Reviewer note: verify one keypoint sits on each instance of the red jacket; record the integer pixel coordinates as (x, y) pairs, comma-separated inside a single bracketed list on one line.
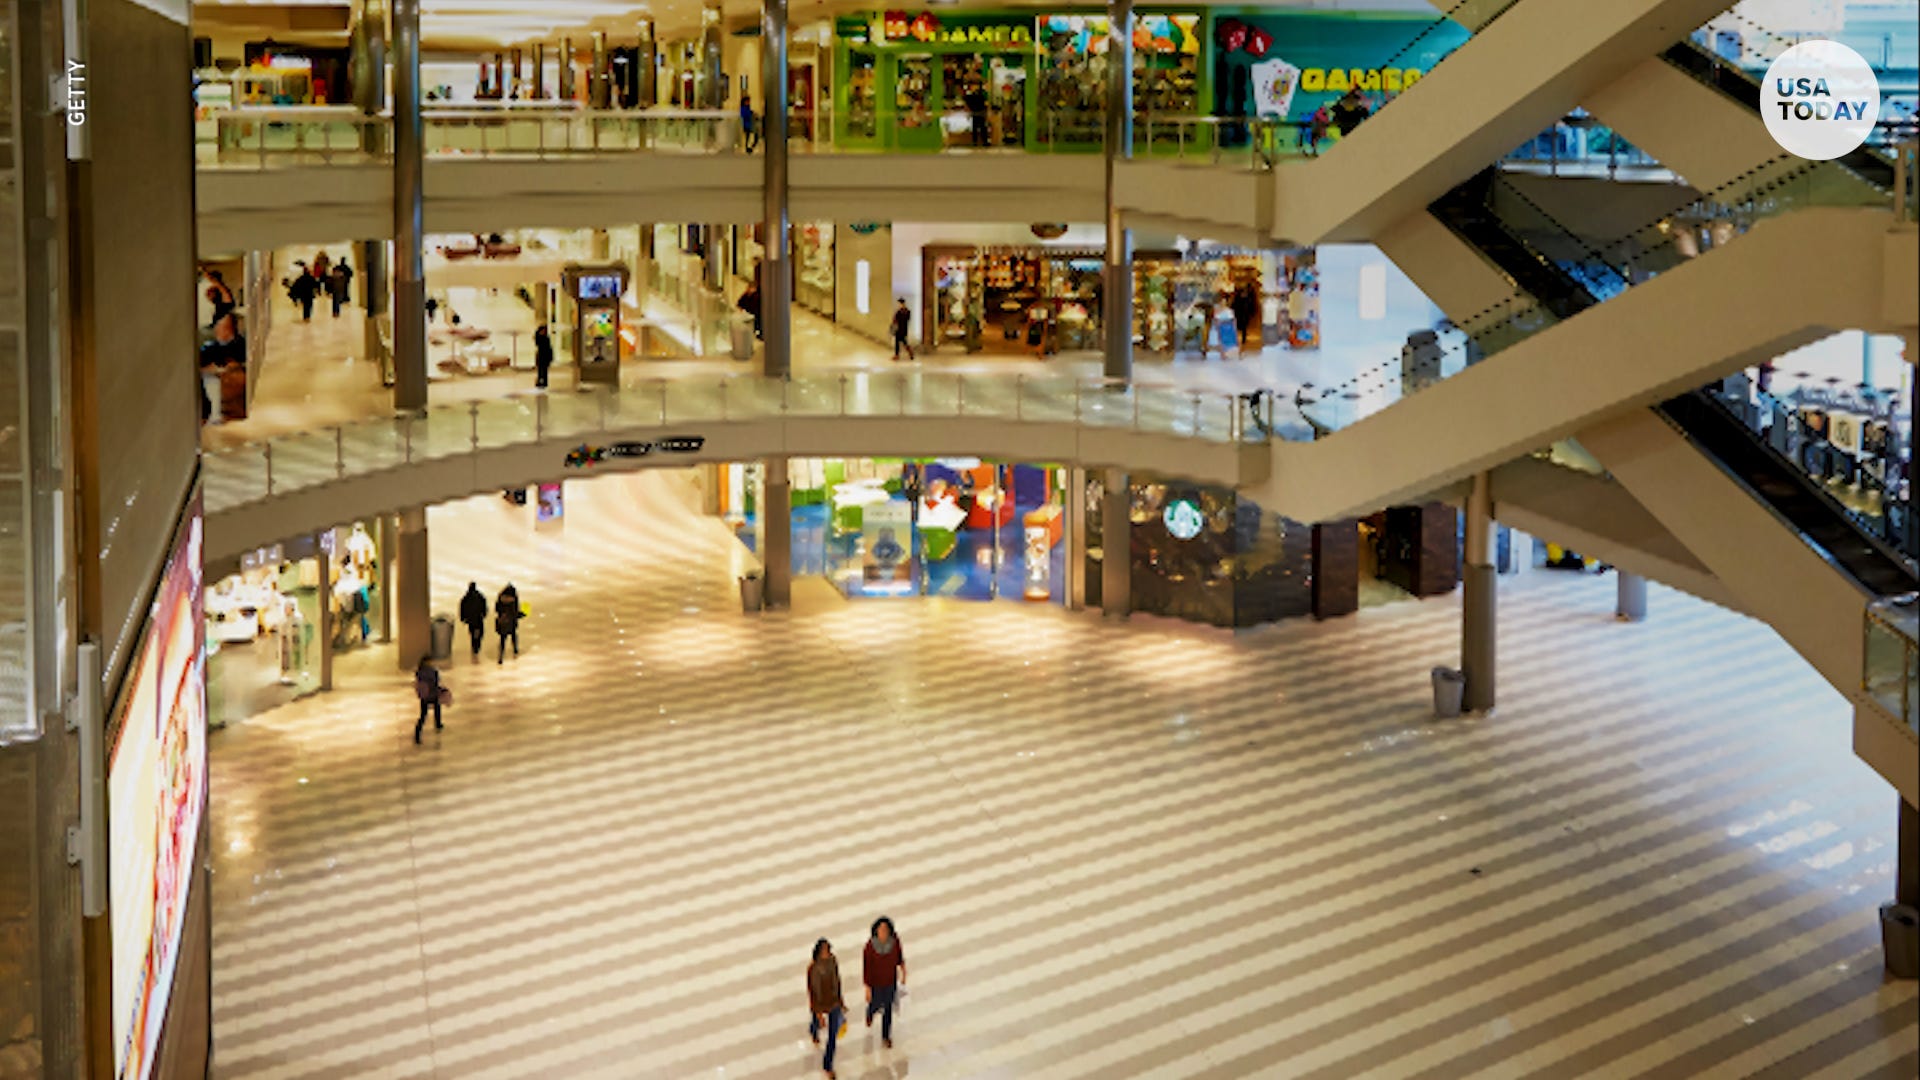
[(883, 971)]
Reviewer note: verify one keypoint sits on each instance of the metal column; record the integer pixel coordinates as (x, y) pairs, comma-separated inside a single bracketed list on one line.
[(1477, 602), (776, 268), (1632, 598), (1117, 295), (566, 69), (1116, 545), (713, 76), (1075, 511), (409, 276), (539, 71), (412, 589), (776, 532), (385, 527)]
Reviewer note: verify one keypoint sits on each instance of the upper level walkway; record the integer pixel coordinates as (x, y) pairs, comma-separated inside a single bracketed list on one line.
[(269, 179)]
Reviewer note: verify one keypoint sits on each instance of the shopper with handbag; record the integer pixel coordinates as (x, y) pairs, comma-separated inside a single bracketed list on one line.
[(884, 970), (427, 687), (824, 1002), (506, 620)]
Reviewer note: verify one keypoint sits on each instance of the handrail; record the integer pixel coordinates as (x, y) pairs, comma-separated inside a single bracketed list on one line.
[(248, 473)]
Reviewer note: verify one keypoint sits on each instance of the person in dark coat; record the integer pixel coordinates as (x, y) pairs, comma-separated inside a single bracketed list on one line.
[(340, 285), (506, 621), (542, 354), (473, 612), (749, 302), (302, 290), (824, 1003), (884, 970), (426, 686)]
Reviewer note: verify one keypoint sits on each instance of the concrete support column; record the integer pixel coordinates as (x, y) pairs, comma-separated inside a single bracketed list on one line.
[(713, 72), (1075, 512), (1906, 876), (1116, 545), (412, 589), (383, 549), (1899, 944), (646, 58), (374, 298), (776, 533), (1117, 294), (409, 275), (597, 81), (325, 629), (1631, 605), (566, 69), (1477, 603), (776, 276)]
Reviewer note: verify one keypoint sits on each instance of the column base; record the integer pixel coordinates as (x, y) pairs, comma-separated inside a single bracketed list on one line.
[(1900, 940)]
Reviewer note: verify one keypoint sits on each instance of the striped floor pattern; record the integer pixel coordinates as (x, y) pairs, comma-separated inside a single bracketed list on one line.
[(1139, 850)]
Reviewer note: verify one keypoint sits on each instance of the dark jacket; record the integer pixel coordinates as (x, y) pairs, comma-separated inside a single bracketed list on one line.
[(339, 280), (543, 350), (506, 611), (823, 985), (881, 970), (473, 607), (303, 287), (426, 682)]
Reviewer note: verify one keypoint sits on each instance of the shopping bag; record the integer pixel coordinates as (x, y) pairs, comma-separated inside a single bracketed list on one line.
[(843, 1025), (899, 997), (446, 695)]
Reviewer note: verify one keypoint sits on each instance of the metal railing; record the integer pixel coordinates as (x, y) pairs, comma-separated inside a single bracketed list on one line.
[(282, 464), (1892, 658)]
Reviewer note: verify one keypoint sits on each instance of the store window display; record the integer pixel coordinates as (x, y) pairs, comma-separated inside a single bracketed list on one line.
[(262, 635), (1167, 77), (981, 297), (1209, 301), (355, 588), (814, 277)]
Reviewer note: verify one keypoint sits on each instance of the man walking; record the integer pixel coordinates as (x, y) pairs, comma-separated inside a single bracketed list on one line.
[(473, 612), (506, 621), (902, 322)]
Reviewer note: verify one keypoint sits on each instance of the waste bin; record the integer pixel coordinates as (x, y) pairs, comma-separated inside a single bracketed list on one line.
[(743, 337), (1900, 938), (1449, 685), (750, 593), (442, 640)]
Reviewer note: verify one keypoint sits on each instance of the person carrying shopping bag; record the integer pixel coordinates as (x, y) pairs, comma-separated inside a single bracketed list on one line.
[(824, 1001)]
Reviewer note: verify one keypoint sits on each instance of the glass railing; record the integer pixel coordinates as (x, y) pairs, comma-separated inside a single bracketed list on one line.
[(1892, 666), (1589, 269), (303, 460), (1581, 146)]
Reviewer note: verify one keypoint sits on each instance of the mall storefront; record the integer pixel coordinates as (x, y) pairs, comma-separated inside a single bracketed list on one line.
[(975, 530), (273, 626)]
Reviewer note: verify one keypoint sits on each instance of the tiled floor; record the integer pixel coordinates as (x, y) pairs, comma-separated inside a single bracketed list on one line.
[(1113, 850)]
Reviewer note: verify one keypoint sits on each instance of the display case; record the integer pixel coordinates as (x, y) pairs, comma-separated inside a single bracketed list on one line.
[(863, 96), (914, 123)]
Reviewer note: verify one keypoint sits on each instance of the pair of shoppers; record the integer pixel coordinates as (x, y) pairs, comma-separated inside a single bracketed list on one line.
[(507, 613), (884, 971)]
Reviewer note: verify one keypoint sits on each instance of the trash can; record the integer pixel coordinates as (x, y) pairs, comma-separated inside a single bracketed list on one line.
[(1449, 685), (1900, 938), (743, 337), (750, 593), (442, 639)]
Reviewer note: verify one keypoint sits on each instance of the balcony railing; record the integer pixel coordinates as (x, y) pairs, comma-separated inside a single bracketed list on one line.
[(288, 463), (1892, 665)]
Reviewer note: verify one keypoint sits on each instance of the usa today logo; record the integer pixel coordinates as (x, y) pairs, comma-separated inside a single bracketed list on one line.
[(1820, 100)]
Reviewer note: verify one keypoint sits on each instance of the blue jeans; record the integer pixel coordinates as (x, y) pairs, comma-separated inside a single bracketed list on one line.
[(882, 1003), (833, 1034)]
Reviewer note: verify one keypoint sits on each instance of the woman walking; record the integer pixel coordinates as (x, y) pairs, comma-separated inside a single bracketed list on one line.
[(823, 1000), (884, 970)]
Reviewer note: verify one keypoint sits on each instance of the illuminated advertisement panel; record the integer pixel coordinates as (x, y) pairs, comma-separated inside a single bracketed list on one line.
[(156, 792)]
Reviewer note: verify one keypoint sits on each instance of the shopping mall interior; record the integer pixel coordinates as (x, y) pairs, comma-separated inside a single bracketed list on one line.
[(1299, 539)]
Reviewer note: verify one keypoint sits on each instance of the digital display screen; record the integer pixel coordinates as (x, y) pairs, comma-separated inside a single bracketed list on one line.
[(598, 286)]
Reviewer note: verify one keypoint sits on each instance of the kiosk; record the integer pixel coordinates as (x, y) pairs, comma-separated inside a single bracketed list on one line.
[(596, 290)]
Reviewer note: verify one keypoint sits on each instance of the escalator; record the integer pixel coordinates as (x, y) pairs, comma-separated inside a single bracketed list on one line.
[(1863, 162), (1877, 565), (1468, 211)]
